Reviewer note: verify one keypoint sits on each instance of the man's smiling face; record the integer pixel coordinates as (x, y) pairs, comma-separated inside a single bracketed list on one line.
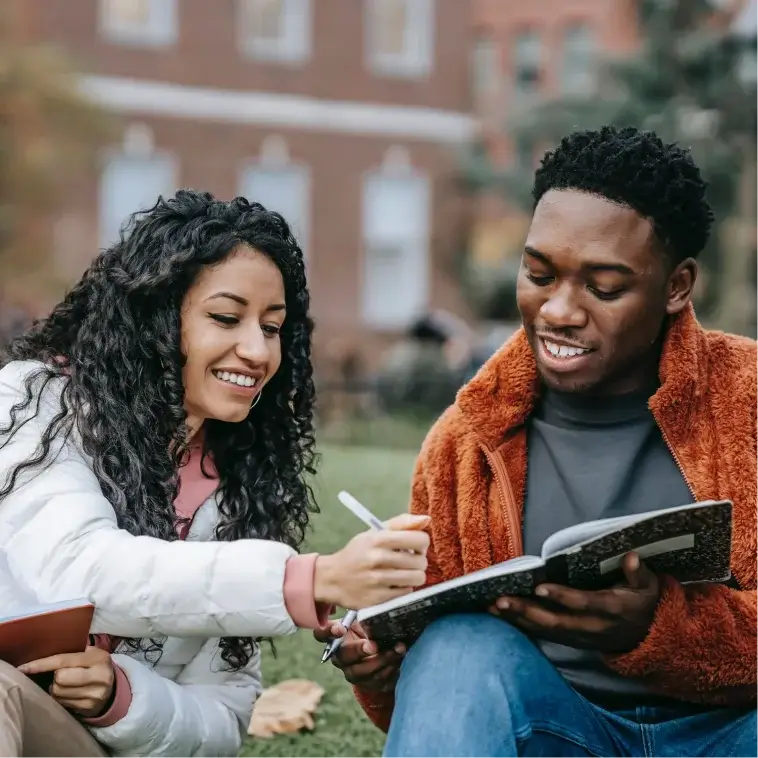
[(594, 289)]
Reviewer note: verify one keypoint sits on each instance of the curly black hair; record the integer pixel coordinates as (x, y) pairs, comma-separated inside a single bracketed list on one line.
[(636, 169), (115, 339)]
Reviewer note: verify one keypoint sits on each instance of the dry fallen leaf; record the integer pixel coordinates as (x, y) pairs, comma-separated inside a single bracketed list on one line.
[(285, 708)]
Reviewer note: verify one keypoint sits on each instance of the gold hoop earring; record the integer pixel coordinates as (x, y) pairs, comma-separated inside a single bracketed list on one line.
[(255, 401)]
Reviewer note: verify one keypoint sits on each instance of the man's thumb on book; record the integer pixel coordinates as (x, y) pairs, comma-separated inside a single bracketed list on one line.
[(408, 522), (637, 574)]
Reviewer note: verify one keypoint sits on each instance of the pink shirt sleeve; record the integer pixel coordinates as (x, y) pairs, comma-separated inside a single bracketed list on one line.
[(122, 699), (299, 599)]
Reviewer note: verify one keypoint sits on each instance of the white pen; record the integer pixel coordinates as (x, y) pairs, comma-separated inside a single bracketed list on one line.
[(368, 518)]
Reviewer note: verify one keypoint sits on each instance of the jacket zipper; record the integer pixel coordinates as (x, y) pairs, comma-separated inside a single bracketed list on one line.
[(508, 499), (676, 458)]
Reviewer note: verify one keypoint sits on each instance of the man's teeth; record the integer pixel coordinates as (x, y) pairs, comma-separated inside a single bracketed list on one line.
[(238, 379), (563, 351)]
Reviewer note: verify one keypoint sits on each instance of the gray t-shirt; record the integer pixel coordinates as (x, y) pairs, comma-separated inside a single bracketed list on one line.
[(591, 459)]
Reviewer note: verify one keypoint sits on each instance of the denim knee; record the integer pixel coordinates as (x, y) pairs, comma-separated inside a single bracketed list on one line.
[(474, 685), (469, 648)]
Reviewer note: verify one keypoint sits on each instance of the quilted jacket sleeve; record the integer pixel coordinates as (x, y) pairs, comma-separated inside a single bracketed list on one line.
[(60, 538), (201, 713)]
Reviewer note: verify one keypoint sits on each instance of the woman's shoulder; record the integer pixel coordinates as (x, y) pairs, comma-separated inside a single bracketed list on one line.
[(15, 373), (14, 388)]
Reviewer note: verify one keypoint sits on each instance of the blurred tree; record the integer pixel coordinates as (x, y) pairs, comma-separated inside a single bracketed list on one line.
[(692, 80), (48, 133)]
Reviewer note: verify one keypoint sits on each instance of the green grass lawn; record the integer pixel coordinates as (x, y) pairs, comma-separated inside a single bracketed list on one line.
[(379, 478)]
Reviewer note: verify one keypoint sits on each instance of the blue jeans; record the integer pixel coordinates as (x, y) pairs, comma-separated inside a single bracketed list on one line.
[(473, 685)]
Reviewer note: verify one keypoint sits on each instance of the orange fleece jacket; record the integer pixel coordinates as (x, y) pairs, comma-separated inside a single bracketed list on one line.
[(471, 474)]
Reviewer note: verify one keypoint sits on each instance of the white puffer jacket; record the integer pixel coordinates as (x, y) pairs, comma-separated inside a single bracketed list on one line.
[(60, 538)]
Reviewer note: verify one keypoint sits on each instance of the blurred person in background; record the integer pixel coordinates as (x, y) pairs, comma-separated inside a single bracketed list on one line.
[(422, 373), (156, 433), (610, 400)]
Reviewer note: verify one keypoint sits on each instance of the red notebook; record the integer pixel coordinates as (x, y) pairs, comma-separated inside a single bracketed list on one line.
[(40, 631)]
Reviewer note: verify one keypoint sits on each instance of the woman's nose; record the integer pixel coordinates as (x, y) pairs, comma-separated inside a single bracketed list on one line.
[(254, 347)]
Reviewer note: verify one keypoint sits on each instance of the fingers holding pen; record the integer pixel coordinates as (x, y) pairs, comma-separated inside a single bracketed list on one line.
[(374, 567)]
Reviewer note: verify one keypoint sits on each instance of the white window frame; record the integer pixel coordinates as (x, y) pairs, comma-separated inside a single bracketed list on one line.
[(110, 157), (571, 83), (293, 47), (396, 317), (536, 36), (485, 66), (303, 233), (417, 59), (161, 29)]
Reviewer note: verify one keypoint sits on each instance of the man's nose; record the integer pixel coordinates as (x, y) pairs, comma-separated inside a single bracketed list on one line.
[(562, 309)]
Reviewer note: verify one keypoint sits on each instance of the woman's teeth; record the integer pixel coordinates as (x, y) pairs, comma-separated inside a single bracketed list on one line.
[(563, 351), (239, 379)]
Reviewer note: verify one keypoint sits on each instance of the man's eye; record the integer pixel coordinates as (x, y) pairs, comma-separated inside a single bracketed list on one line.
[(603, 295), (226, 320)]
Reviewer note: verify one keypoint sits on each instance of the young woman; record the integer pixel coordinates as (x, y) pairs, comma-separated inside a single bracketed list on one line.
[(156, 432)]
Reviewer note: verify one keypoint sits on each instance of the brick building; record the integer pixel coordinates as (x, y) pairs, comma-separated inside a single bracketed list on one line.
[(344, 115), (526, 52), (523, 52)]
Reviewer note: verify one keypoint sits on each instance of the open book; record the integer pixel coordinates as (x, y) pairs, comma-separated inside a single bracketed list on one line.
[(691, 542), (30, 630)]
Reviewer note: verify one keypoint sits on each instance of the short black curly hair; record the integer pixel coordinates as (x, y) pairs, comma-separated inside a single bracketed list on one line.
[(637, 169)]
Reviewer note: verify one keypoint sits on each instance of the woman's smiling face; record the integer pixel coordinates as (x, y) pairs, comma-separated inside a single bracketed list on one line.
[(231, 322)]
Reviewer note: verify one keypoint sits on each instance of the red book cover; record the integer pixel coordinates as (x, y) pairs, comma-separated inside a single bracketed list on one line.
[(34, 633)]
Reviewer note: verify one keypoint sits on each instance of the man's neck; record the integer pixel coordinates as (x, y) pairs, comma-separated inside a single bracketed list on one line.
[(591, 410)]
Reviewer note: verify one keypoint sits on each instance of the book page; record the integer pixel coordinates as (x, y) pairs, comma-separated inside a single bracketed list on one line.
[(575, 535)]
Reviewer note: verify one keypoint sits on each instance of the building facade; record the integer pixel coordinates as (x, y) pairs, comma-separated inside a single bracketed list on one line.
[(344, 115), (529, 52), (526, 51), (523, 53)]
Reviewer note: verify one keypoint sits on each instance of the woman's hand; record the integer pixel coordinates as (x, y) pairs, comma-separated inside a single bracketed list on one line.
[(375, 566), (83, 682)]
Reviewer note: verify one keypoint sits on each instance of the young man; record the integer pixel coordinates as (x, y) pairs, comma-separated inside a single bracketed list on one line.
[(611, 399)]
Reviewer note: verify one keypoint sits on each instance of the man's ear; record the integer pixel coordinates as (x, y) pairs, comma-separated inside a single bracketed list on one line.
[(680, 285)]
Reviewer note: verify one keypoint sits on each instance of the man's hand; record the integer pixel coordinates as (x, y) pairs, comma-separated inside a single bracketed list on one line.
[(360, 660), (83, 682), (609, 621)]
